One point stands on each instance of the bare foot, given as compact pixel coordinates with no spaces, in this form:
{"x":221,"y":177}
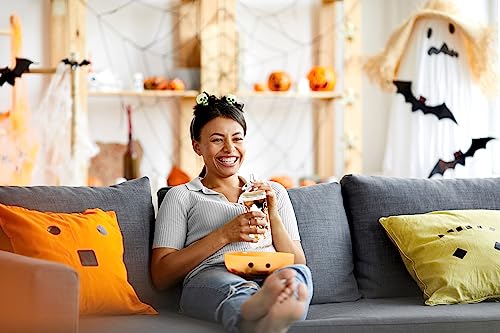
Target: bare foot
{"x":285,"y":313}
{"x":276,"y":287}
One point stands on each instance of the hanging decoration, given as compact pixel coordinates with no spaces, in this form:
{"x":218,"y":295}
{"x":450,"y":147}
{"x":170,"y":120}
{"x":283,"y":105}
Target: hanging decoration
{"x":442,"y":64}
{"x":441,"y":166}
{"x":9,"y":75}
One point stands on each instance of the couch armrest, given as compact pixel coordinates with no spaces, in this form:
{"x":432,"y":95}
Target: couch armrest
{"x":37,"y":295}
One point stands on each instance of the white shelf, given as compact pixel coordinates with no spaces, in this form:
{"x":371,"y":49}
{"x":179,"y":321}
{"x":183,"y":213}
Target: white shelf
{"x":145,"y":93}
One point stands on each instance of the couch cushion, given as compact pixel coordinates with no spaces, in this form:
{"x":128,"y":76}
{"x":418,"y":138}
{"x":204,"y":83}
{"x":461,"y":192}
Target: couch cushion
{"x":452,"y":255}
{"x":326,"y":240}
{"x":167,"y":321}
{"x":132,"y":203}
{"x":398,"y":314}
{"x":378,"y":267}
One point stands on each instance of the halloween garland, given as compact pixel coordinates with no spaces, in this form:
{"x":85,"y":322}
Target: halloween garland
{"x":23,"y":66}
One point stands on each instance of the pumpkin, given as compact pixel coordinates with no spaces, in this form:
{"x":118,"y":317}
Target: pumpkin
{"x":259,"y":86}
{"x":177,"y":177}
{"x":286,"y":181}
{"x":279,"y":81}
{"x":155,"y":83}
{"x":307,"y":182}
{"x":321,"y":78}
{"x":176,"y":84}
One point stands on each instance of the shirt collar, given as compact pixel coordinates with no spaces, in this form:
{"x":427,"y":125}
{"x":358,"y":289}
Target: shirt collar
{"x":197,"y":186}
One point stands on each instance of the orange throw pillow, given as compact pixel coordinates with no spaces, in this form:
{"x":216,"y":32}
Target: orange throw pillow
{"x":90,"y":242}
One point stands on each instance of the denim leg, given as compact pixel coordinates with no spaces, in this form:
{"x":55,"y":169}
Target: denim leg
{"x":214,"y":294}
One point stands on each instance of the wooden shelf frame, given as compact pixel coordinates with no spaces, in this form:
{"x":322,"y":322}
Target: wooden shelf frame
{"x":145,"y":93}
{"x":210,"y":48}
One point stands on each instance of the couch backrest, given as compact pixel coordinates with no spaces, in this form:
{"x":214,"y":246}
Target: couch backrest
{"x":326,"y":240}
{"x":377,"y":264}
{"x":132,"y":203}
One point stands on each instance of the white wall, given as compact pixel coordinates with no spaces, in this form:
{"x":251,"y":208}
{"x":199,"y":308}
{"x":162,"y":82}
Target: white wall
{"x":290,"y":150}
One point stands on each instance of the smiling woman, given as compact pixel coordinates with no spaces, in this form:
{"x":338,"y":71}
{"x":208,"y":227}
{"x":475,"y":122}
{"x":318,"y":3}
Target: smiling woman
{"x":202,"y":220}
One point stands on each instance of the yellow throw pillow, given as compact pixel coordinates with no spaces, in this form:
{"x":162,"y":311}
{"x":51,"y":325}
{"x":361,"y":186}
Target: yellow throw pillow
{"x":90,"y":242}
{"x":454,"y":256}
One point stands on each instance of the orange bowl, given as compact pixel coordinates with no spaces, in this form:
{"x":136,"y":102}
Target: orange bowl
{"x":256,"y":263}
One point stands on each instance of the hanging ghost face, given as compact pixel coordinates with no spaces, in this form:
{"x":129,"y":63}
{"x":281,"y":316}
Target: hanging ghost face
{"x":444,"y":47}
{"x":435,"y":111}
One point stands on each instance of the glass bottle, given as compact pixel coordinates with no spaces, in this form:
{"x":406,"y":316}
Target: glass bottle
{"x":130,"y":159}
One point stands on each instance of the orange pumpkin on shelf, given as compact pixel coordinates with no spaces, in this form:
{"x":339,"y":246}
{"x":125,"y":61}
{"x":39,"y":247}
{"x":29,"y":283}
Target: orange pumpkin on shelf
{"x":259,"y":86}
{"x":155,"y":83}
{"x":176,"y":84}
{"x":279,"y":81}
{"x":307,"y":182}
{"x":321,"y":78}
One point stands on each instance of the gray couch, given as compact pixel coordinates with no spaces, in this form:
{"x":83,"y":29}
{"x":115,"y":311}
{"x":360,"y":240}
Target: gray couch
{"x":361,"y":284}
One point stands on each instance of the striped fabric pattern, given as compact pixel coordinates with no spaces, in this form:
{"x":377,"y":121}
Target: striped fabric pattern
{"x":191,"y":211}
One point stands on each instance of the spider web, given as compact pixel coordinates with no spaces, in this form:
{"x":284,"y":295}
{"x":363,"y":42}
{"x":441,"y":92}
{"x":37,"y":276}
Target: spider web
{"x":128,"y":37}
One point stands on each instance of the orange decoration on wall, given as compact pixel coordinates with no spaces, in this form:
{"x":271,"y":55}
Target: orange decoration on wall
{"x":321,"y":78}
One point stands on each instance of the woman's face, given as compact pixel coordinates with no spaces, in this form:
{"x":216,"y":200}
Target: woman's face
{"x":222,"y":146}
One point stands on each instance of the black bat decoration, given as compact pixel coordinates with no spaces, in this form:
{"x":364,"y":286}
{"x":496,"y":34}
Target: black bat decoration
{"x":441,"y":166}
{"x":75,"y":64}
{"x":441,"y":111}
{"x":9,"y":75}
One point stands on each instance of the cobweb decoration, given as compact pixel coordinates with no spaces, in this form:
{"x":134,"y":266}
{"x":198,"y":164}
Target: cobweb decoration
{"x":128,"y":37}
{"x":55,"y":163}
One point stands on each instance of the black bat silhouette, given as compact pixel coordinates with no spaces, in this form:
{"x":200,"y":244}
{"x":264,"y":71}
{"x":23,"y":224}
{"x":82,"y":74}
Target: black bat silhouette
{"x":9,"y":75}
{"x":441,"y":111}
{"x":459,"y":157}
{"x":75,"y":63}
{"x":444,"y":49}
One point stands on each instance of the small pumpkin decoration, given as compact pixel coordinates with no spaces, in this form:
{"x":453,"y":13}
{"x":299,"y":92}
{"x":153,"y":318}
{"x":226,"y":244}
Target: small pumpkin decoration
{"x":279,"y":81}
{"x":155,"y":83}
{"x":176,"y":84}
{"x":259,"y":86}
{"x":307,"y":182}
{"x":286,"y":181}
{"x":321,"y":78}
{"x":177,"y":176}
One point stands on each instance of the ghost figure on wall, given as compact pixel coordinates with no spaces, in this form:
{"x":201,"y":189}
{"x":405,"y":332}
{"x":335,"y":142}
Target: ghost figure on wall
{"x":438,"y":68}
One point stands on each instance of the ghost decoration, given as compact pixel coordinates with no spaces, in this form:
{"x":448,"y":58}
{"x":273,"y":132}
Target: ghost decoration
{"x":439,"y":69}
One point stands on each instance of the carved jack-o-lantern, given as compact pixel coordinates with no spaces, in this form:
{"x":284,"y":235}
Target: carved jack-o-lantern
{"x":279,"y":81}
{"x":321,"y":78}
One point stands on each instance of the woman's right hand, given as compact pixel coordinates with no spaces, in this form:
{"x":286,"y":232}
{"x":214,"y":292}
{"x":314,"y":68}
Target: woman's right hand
{"x":242,"y":226}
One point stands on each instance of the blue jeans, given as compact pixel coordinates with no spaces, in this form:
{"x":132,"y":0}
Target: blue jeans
{"x":214,"y":294}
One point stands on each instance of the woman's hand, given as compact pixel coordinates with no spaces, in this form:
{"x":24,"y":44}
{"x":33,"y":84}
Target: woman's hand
{"x":272,"y":205}
{"x":242,"y":226}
